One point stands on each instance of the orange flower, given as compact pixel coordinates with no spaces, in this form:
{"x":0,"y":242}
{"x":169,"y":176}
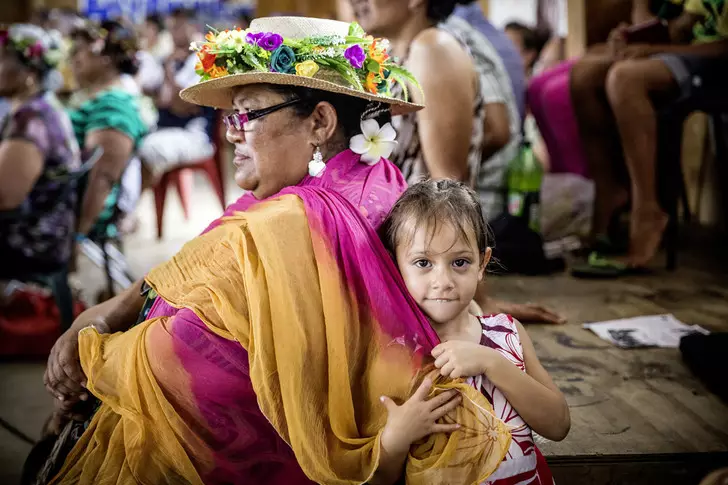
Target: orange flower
{"x":371,"y":83}
{"x":206,"y":59}
{"x":217,"y":71}
{"x":378,"y":55}
{"x":198,"y":67}
{"x":210,"y":37}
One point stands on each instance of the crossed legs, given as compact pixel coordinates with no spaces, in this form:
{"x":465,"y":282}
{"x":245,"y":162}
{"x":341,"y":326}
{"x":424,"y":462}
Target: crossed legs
{"x":614,"y":103}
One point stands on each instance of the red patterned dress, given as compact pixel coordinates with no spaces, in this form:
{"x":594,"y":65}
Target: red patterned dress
{"x":524,"y":464}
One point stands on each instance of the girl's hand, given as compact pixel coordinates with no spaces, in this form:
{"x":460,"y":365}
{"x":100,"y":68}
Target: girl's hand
{"x":459,"y":358}
{"x":416,"y":418}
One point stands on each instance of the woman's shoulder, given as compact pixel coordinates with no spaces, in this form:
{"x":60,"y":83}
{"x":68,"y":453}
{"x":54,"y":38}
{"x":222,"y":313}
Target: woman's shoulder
{"x":436,"y":43}
{"x":115,"y":109}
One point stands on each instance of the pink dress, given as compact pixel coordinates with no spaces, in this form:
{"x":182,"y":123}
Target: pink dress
{"x":524,"y":464}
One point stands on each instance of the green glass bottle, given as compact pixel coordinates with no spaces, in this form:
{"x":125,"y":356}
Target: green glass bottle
{"x":525,"y":175}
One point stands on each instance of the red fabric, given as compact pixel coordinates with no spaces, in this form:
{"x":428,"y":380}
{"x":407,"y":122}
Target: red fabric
{"x":30,"y":324}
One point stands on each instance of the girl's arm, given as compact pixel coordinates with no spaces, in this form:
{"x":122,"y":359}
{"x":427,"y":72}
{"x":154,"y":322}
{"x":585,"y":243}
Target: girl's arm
{"x":533,"y":394}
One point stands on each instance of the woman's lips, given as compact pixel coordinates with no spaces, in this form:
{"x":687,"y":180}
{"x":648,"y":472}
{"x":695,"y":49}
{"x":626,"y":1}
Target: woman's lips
{"x":240,"y":159}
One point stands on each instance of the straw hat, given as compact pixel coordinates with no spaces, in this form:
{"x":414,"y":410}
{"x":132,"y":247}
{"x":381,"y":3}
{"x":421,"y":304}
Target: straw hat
{"x":315,"y":53}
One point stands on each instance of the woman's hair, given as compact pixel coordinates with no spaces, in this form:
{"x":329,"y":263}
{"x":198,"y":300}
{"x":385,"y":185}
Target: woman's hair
{"x":533,"y":39}
{"x":119,"y":42}
{"x":434,"y":202}
{"x":349,"y":109}
{"x":439,"y":10}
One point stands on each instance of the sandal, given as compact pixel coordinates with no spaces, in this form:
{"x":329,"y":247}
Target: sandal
{"x":601,"y":267}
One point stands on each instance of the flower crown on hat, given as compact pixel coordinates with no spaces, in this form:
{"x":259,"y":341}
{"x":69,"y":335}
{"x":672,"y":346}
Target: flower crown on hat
{"x":37,"y":48}
{"x":361,"y":60}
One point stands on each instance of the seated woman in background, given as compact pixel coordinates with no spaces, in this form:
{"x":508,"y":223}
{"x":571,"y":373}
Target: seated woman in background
{"x":470,"y":127}
{"x":104,"y":114}
{"x":37,"y":146}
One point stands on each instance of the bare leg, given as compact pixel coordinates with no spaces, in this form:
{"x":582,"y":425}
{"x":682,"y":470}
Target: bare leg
{"x":599,"y":137}
{"x":631,"y":88}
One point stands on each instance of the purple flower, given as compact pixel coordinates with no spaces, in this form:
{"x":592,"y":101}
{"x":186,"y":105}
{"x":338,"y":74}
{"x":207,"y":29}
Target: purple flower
{"x":355,"y":55}
{"x":4,"y":36}
{"x":254,"y":38}
{"x":270,"y":41}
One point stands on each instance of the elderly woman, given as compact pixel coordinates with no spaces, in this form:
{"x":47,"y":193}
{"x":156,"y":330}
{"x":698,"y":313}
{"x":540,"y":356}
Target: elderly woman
{"x":37,"y":148}
{"x":104,"y":113}
{"x":265,"y":344}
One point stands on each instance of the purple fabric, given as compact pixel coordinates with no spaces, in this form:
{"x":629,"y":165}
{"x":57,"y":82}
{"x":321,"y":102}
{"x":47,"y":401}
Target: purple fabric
{"x":512,"y":60}
{"x":549,"y":99}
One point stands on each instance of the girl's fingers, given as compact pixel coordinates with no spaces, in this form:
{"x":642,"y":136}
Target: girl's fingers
{"x":447,"y":369}
{"x":438,"y":350}
{"x":446,"y":408}
{"x":444,"y":428}
{"x":441,"y":399}
{"x":424,"y":390}
{"x":441,"y":360}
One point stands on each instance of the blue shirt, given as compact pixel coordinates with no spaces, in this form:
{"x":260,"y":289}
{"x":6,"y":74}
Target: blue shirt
{"x":512,"y":60}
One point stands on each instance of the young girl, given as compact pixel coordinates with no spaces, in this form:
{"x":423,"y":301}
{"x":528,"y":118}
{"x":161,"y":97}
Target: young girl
{"x":439,"y":238}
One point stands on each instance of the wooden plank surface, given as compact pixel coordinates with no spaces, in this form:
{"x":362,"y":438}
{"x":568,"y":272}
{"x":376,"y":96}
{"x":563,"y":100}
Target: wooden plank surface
{"x":628,"y":402}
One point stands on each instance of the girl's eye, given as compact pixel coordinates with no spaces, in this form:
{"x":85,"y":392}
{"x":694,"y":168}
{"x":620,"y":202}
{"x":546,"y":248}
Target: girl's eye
{"x":460,"y":263}
{"x":422,"y":263}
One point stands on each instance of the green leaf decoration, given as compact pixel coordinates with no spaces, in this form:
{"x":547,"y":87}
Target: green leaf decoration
{"x":355,"y":30}
{"x":372,"y":66}
{"x":402,"y":76}
{"x":345,"y":70}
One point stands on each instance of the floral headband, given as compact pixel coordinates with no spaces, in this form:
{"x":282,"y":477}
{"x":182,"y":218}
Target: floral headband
{"x":361,"y":60}
{"x":37,"y":48}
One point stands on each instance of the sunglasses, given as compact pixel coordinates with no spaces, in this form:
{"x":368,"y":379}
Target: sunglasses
{"x":238,"y":120}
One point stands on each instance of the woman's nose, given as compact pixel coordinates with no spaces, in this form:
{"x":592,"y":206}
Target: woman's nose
{"x":233,"y":135}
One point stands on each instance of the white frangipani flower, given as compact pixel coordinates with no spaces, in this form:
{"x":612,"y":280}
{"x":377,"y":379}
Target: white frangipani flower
{"x":374,"y":143}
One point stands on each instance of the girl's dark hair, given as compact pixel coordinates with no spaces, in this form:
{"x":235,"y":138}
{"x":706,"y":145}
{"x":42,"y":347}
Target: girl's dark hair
{"x":120,"y":43}
{"x":439,"y":10}
{"x":349,"y":109}
{"x":434,"y":202}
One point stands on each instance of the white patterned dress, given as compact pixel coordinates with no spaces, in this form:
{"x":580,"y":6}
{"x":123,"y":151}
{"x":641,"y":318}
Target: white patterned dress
{"x":523,"y":464}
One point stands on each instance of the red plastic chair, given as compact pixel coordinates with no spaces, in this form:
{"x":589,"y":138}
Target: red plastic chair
{"x":182,"y":179}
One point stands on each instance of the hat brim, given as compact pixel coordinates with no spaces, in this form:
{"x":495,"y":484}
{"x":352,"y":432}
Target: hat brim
{"x":218,"y":93}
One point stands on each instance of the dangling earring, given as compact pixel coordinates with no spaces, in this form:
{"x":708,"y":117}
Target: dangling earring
{"x":316,"y":166}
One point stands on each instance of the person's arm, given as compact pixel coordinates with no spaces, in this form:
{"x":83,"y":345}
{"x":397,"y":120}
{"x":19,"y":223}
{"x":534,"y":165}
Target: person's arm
{"x":118,"y":149}
{"x":64,"y":377}
{"x":21,"y":163}
{"x":641,"y":11}
{"x":497,"y":132}
{"x":117,"y":314}
{"x":447,"y":76}
{"x":533,"y":394}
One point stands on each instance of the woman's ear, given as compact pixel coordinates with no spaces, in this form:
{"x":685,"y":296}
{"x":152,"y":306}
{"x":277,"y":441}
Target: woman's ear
{"x":325,"y":122}
{"x":485,"y":259}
